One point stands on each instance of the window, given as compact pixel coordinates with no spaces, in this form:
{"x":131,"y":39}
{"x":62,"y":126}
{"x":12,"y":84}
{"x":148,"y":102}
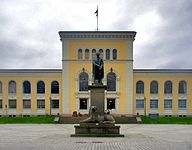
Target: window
{"x":114,"y":54}
{"x":140,"y":87}
{"x":26,"y":104}
{"x":80,"y":54}
{"x":101,"y":53}
{"x":107,"y":54}
{"x":139,"y":103}
{"x":26,"y":87}
{"x":168,"y":87}
{"x":12,"y":103}
{"x":182,"y":104}
{"x":83,"y":103}
{"x":40,"y":87}
{"x":111,"y":81}
{"x":168,"y":103}
{"x":55,"y":103}
{"x":40,"y":103}
{"x":93,"y":54}
{"x":54,"y":87}
{"x":0,"y":87}
{"x":86,"y":54}
{"x":12,"y":87}
{"x":182,"y":87}
{"x":1,"y":104}
{"x":154,"y":87}
{"x":153,"y":103}
{"x":83,"y":81}
{"x":111,"y":104}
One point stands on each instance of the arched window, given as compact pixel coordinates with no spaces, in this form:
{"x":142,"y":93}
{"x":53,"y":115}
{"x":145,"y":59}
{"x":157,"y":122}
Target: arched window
{"x":12,"y":87}
{"x":0,"y":87}
{"x":87,"y":54}
{"x":101,"y":53}
{"x":154,"y":87}
{"x":93,"y":54}
{"x":140,"y":87}
{"x":168,"y":87}
{"x":54,"y":87}
{"x":107,"y":54}
{"x":40,"y":87}
{"x":83,"y":81}
{"x":114,"y":54}
{"x":111,"y":81}
{"x":80,"y":54}
{"x":26,"y":87}
{"x":182,"y":87}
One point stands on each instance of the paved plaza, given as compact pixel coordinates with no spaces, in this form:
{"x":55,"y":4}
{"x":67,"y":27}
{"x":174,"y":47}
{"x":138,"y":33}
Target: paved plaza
{"x":57,"y":137}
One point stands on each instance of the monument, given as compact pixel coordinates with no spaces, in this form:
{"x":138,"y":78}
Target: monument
{"x":99,"y":123}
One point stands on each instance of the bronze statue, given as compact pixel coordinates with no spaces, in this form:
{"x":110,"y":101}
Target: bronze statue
{"x":98,"y":70}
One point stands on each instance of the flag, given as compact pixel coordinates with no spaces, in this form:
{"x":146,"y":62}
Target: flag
{"x":96,"y":12}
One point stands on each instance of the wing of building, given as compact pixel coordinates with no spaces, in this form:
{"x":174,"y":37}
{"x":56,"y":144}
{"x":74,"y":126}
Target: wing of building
{"x":63,"y":91}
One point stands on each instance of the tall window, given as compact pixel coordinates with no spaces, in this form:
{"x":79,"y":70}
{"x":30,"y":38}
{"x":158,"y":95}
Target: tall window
{"x":40,"y":87}
{"x":55,"y":87}
{"x":83,"y":81}
{"x":40,"y":103}
{"x":140,"y":87}
{"x":182,"y":87}
{"x":26,"y":87}
{"x":1,"y":105}
{"x":153,"y":103}
{"x":168,"y":104}
{"x":80,"y":54}
{"x":182,"y":103}
{"x":111,"y":81}
{"x":55,"y":103}
{"x":12,"y":103}
{"x":93,"y":54}
{"x":154,"y":87}
{"x":87,"y":54}
{"x":101,"y":53}
{"x":26,"y":104}
{"x":139,"y":103}
{"x":12,"y":87}
{"x":168,"y":87}
{"x":114,"y":54}
{"x":107,"y":54}
{"x":0,"y":87}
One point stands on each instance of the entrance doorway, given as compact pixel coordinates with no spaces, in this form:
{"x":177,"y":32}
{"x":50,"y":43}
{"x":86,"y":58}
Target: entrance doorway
{"x":111,"y":103}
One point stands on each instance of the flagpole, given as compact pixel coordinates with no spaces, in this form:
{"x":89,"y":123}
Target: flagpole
{"x":97,"y":18}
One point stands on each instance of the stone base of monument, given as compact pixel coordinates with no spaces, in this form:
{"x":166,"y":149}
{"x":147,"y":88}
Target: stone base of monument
{"x":97,"y":130}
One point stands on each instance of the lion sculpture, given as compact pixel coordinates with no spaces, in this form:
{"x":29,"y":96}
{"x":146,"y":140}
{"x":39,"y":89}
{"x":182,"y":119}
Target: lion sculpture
{"x":95,"y":118}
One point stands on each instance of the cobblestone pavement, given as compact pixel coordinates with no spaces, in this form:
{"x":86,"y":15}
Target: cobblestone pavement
{"x":57,"y":137}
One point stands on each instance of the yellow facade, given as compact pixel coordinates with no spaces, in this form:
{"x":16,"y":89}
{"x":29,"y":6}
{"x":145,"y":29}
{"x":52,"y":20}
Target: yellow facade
{"x":125,"y":98}
{"x":31,"y":76}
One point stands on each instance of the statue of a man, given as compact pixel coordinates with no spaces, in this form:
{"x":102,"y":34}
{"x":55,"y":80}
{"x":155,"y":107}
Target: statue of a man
{"x":98,"y":70}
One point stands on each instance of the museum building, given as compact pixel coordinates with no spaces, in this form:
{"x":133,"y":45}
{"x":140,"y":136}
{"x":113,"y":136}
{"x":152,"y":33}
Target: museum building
{"x":63,"y":91}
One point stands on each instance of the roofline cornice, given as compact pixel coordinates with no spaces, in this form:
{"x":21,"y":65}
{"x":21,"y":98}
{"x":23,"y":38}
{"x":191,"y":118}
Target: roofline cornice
{"x":97,"y":34}
{"x":30,"y":70}
{"x":162,"y":70}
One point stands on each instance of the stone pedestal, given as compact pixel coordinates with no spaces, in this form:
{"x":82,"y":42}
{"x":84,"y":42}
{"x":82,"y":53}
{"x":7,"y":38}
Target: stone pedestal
{"x":97,"y":130}
{"x":98,"y":96}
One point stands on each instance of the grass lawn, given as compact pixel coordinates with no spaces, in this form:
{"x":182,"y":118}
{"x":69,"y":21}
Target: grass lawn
{"x":167,"y":120}
{"x":25,"y":120}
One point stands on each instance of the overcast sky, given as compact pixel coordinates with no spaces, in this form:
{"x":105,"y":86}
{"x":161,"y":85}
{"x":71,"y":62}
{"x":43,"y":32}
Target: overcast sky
{"x":29,"y":30}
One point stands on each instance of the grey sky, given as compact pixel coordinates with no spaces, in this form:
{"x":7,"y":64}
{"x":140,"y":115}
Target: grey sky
{"x":29,"y":30}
